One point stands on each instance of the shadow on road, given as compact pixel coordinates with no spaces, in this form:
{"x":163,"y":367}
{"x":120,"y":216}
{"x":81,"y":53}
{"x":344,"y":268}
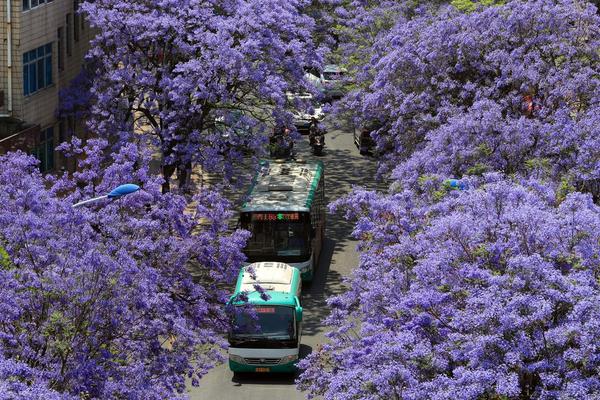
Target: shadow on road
{"x":326,"y":283}
{"x":249,"y":378}
{"x":344,"y":168}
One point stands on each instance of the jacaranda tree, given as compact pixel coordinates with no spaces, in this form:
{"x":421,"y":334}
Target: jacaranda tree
{"x":112,"y":300}
{"x":489,"y":293}
{"x":196,"y":80}
{"x":360,"y":27}
{"x":510,"y":88}
{"x":126,"y":299}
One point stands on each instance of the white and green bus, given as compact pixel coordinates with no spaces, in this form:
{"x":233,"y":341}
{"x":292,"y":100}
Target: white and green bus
{"x":265,"y":335}
{"x":285,"y":212}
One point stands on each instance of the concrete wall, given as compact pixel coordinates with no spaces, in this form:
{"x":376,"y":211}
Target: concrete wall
{"x":31,"y":29}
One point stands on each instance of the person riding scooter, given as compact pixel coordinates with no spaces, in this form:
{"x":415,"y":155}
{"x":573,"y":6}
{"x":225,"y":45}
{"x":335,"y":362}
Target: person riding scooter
{"x":315,"y":129}
{"x":316,"y":136}
{"x":281,"y":142}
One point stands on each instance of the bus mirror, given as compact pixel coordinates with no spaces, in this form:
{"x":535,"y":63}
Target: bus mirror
{"x":298,"y":313}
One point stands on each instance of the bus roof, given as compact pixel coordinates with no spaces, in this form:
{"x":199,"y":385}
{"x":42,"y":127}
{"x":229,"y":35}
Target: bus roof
{"x":284,"y":186}
{"x":275,"y":299}
{"x":272,"y":276}
{"x":279,"y":280}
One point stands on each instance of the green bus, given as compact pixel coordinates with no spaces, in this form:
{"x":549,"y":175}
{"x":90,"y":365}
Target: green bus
{"x":285,"y":213}
{"x":266,"y":333}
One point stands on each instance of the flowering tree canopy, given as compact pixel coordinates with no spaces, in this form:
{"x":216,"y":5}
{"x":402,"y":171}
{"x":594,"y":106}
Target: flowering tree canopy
{"x":126,"y":299}
{"x":119,"y":301}
{"x":510,"y":88}
{"x":196,"y":79}
{"x":490,"y":293}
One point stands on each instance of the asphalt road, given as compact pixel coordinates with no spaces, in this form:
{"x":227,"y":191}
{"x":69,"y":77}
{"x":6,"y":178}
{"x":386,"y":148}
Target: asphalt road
{"x":344,"y":168}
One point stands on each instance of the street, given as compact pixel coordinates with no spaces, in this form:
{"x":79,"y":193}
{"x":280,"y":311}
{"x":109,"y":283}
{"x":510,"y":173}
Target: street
{"x":344,"y":167}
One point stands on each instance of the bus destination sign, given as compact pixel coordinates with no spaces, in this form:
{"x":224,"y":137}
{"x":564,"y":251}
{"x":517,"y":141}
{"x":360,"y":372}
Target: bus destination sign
{"x":274,"y":216}
{"x":265,"y":310}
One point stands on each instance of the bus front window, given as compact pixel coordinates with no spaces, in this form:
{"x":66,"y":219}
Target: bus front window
{"x":279,"y":241}
{"x":290,"y":241}
{"x":271,"y":322}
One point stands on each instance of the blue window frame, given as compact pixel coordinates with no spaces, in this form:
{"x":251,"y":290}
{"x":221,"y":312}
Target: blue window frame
{"x":37,"y":69}
{"x":29,"y":4}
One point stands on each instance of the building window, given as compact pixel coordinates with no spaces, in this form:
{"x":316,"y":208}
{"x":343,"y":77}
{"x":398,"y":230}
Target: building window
{"x":69,"y":29}
{"x":37,"y":69}
{"x":45,"y":150}
{"x":60,"y":39}
{"x":76,"y":20}
{"x":29,"y":4}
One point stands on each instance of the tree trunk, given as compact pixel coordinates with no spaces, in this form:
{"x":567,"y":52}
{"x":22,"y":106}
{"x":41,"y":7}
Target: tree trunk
{"x":167,"y":171}
{"x":184,"y":177}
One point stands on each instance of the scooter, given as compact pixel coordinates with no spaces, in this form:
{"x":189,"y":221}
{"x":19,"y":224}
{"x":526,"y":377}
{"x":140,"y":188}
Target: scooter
{"x":281,"y":147}
{"x":318,"y":143}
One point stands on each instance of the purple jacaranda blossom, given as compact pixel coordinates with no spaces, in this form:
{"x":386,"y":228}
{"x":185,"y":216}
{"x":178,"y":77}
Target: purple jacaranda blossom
{"x":491,"y":291}
{"x":510,"y":88}
{"x":199,"y":82}
{"x":121,"y":299}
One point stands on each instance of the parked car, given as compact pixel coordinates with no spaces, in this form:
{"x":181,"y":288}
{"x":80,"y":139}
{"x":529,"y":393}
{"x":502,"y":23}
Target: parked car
{"x":362,"y":137}
{"x":333,"y":81}
{"x":303,"y":117}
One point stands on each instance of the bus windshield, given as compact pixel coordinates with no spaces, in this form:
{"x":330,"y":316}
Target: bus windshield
{"x":278,"y":240}
{"x":271,"y":322}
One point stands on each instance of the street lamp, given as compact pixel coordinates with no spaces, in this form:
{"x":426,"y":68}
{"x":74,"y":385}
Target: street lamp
{"x":117,"y":192}
{"x":456,"y":184}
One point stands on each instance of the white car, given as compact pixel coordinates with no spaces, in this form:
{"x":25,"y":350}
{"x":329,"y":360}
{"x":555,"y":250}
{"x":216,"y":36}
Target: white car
{"x":316,"y":79}
{"x":304,"y":107}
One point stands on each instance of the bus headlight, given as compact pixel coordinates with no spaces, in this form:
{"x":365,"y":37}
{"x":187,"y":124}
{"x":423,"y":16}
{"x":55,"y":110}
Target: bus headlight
{"x":288,"y":359}
{"x":237,"y":359}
